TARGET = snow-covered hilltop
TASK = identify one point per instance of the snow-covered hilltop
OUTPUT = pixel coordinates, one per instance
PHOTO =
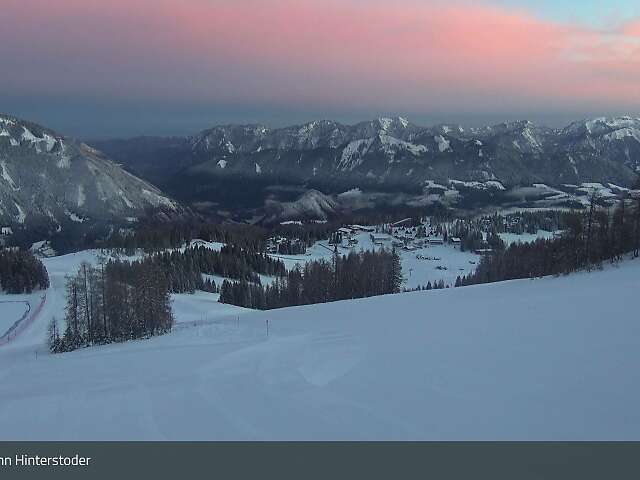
(551, 358)
(46, 178)
(311, 205)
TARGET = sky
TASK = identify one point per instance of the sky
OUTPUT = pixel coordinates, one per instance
(96, 69)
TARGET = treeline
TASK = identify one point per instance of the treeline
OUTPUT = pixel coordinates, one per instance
(356, 275)
(473, 236)
(436, 285)
(233, 258)
(21, 272)
(526, 221)
(114, 302)
(483, 232)
(184, 269)
(478, 233)
(182, 275)
(590, 239)
(157, 237)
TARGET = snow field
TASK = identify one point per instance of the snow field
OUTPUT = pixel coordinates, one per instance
(553, 358)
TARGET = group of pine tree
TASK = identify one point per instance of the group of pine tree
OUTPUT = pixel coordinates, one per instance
(21, 272)
(113, 302)
(185, 268)
(123, 300)
(589, 239)
(356, 275)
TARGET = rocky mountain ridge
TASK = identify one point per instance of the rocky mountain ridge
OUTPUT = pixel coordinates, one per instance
(46, 178)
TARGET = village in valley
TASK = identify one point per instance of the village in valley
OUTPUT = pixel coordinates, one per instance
(433, 252)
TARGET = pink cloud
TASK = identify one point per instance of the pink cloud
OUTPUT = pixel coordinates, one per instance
(632, 29)
(404, 55)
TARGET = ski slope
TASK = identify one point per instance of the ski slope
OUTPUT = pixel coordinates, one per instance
(12, 309)
(553, 358)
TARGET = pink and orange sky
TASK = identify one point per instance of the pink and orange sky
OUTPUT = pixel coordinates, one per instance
(98, 68)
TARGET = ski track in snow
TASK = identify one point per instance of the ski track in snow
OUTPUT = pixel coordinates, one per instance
(551, 358)
(12, 308)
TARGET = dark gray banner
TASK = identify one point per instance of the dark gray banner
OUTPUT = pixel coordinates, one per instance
(513, 461)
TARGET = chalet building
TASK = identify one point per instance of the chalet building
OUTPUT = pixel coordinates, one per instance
(43, 249)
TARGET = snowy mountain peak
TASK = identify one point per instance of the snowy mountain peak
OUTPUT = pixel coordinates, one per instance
(602, 125)
(6, 119)
(447, 129)
(513, 126)
(18, 133)
(387, 123)
(48, 178)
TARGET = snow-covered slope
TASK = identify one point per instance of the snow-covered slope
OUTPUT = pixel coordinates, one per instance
(47, 178)
(312, 205)
(12, 309)
(554, 358)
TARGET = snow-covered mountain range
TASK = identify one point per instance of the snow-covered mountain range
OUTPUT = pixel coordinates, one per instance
(46, 178)
(395, 151)
(387, 154)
